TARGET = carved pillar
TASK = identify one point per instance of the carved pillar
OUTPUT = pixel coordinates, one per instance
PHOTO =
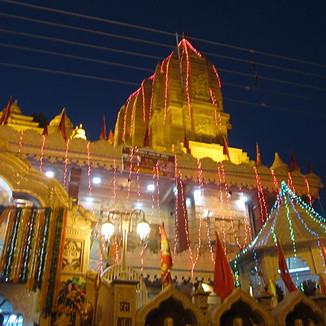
(123, 303)
(201, 298)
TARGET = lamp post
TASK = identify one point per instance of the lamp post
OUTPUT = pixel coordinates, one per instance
(125, 219)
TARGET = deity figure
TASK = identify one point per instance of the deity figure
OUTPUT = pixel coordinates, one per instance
(237, 321)
(168, 321)
(298, 322)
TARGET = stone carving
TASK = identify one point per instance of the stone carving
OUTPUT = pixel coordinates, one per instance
(72, 256)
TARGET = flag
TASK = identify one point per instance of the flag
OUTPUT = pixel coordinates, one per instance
(285, 274)
(146, 138)
(111, 137)
(310, 170)
(226, 149)
(181, 218)
(103, 129)
(294, 165)
(323, 249)
(186, 144)
(45, 131)
(258, 157)
(62, 124)
(5, 114)
(166, 259)
(322, 285)
(223, 277)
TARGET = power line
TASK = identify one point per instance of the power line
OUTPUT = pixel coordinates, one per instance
(129, 38)
(64, 55)
(150, 56)
(64, 12)
(58, 72)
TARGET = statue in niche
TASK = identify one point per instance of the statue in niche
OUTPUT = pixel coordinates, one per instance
(168, 321)
(237, 321)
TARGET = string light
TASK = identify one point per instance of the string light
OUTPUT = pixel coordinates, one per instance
(152, 78)
(308, 189)
(217, 76)
(125, 119)
(89, 169)
(275, 181)
(166, 89)
(144, 101)
(21, 141)
(222, 207)
(290, 182)
(158, 191)
(66, 164)
(114, 183)
(185, 50)
(132, 117)
(130, 175)
(42, 153)
(261, 197)
(191, 48)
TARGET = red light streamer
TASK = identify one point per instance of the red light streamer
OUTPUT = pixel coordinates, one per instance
(21, 141)
(246, 226)
(276, 184)
(192, 48)
(132, 117)
(157, 170)
(166, 87)
(130, 175)
(125, 119)
(217, 76)
(66, 164)
(187, 79)
(290, 182)
(153, 196)
(308, 190)
(42, 152)
(89, 169)
(114, 183)
(144, 101)
(152, 97)
(137, 178)
(222, 207)
(142, 257)
(229, 206)
(261, 197)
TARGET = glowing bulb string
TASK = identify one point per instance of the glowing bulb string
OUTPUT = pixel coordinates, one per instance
(229, 206)
(158, 191)
(137, 178)
(89, 169)
(142, 257)
(187, 79)
(124, 125)
(191, 48)
(152, 78)
(222, 207)
(308, 189)
(275, 181)
(290, 182)
(130, 175)
(217, 76)
(42, 152)
(246, 224)
(166, 88)
(114, 183)
(144, 101)
(66, 164)
(133, 112)
(261, 197)
(321, 255)
(21, 141)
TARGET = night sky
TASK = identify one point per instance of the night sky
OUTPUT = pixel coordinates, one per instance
(276, 101)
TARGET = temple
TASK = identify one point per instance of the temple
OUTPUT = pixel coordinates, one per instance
(168, 162)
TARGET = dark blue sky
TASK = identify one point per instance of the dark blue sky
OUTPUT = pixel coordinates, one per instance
(294, 29)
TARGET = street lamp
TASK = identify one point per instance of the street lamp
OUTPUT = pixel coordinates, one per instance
(125, 218)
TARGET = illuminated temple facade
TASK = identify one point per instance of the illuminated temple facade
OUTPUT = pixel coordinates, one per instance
(170, 158)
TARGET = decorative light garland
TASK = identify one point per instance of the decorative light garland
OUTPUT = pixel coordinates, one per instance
(124, 125)
(166, 89)
(222, 206)
(66, 164)
(308, 189)
(158, 192)
(144, 101)
(185, 50)
(217, 76)
(21, 141)
(275, 181)
(261, 197)
(152, 78)
(133, 112)
(42, 153)
(89, 169)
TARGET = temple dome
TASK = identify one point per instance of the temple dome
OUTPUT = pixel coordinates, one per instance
(182, 97)
(55, 122)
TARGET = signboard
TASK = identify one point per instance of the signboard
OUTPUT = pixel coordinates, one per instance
(145, 161)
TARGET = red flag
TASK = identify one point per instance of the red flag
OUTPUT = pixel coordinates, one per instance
(226, 149)
(310, 170)
(322, 285)
(323, 249)
(186, 144)
(5, 114)
(166, 259)
(111, 137)
(146, 138)
(181, 218)
(294, 165)
(258, 157)
(223, 277)
(285, 274)
(103, 129)
(62, 124)
(45, 131)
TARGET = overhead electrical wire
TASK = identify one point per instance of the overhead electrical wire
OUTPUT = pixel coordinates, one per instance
(74, 57)
(150, 56)
(129, 38)
(58, 72)
(134, 26)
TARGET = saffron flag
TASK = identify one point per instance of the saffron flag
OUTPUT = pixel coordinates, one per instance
(5, 114)
(186, 144)
(111, 137)
(223, 277)
(258, 157)
(181, 218)
(294, 165)
(226, 149)
(103, 129)
(62, 124)
(146, 138)
(285, 274)
(166, 259)
(323, 249)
